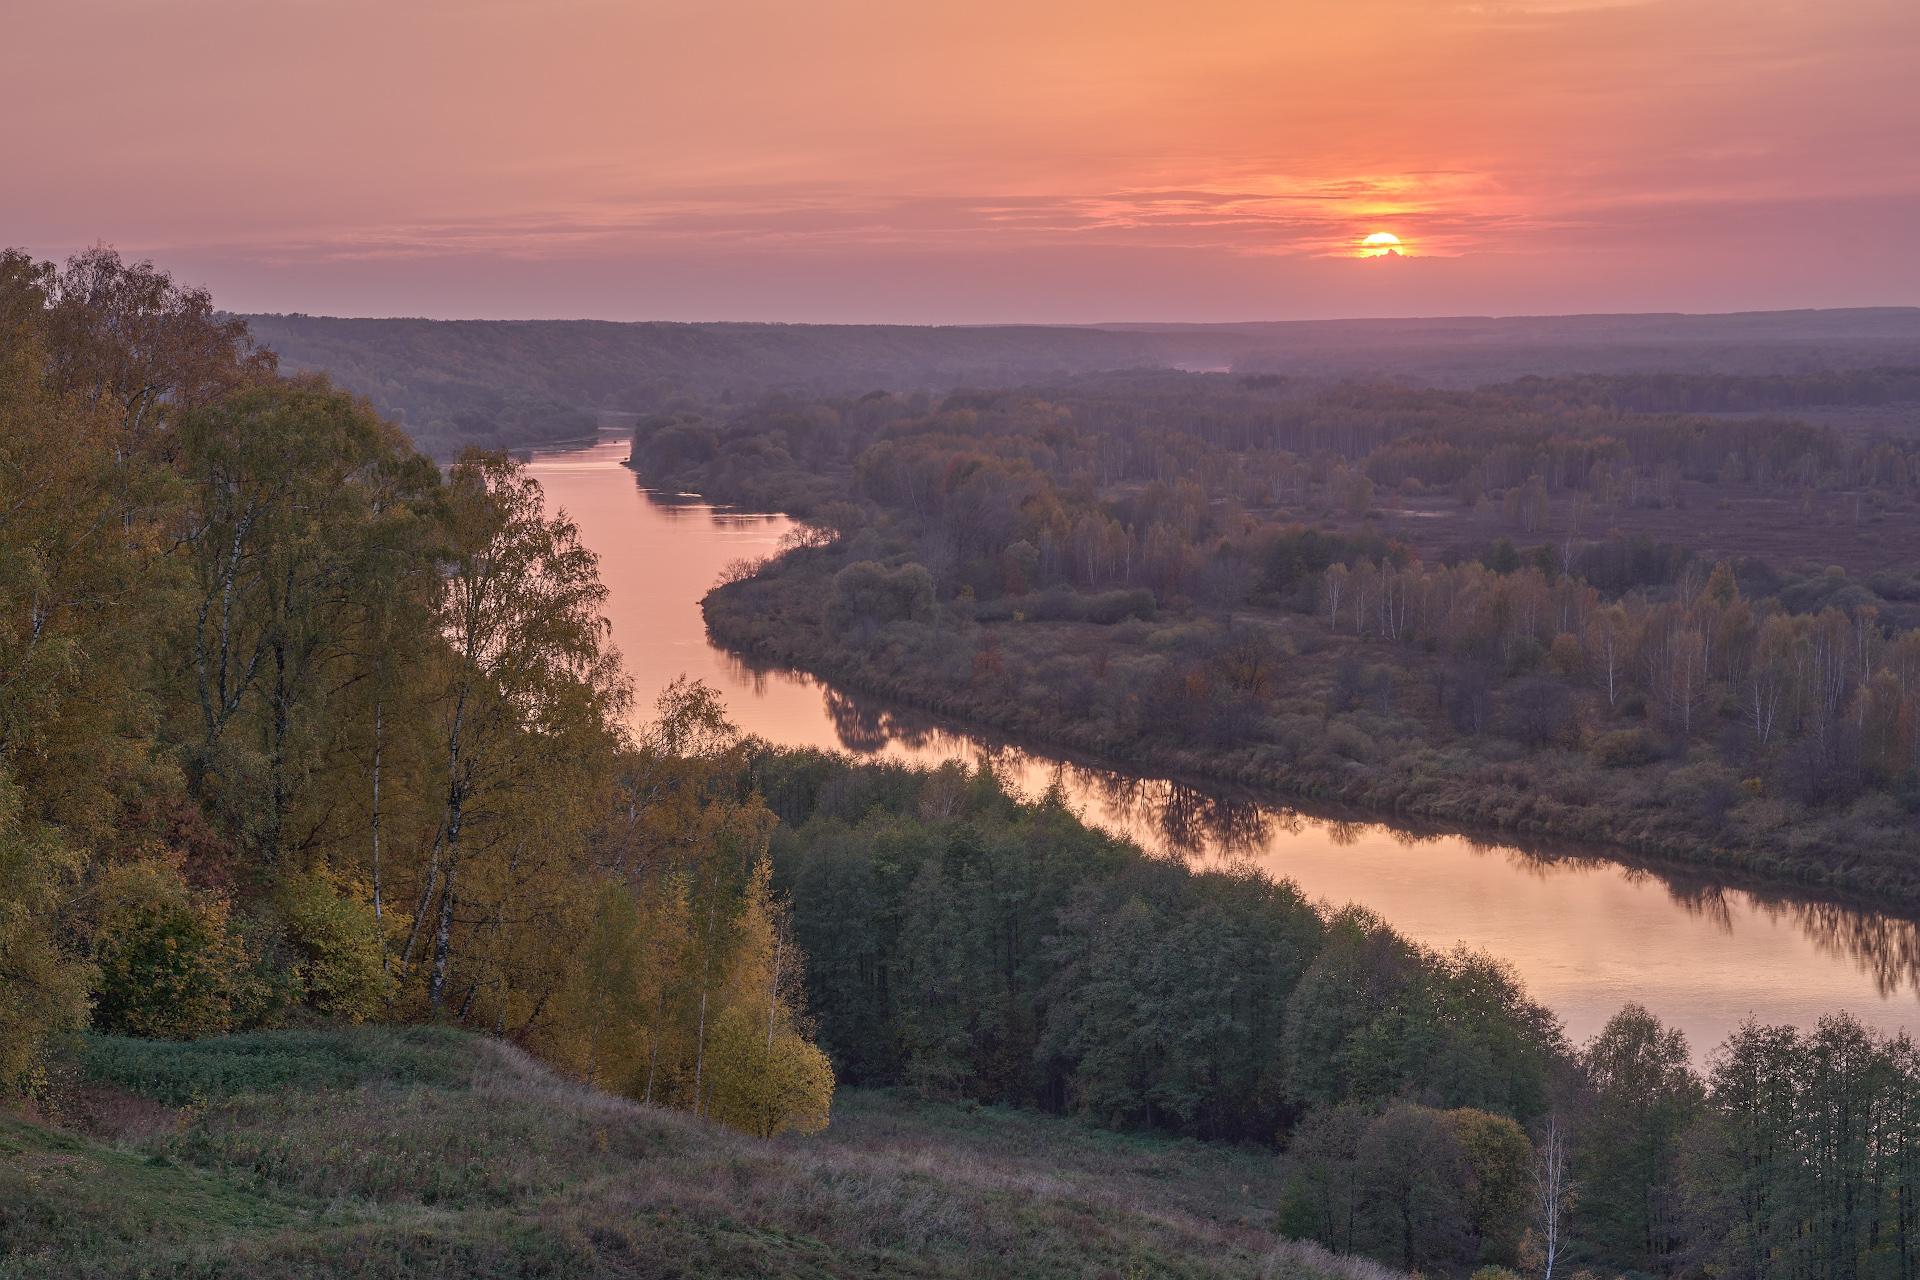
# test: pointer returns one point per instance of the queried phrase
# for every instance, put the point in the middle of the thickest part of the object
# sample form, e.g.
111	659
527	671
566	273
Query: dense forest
512	384
300	732
293	726
1691	635
516	383
1431	1115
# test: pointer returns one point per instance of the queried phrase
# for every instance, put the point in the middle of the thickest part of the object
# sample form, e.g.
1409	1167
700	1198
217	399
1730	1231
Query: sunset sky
974	160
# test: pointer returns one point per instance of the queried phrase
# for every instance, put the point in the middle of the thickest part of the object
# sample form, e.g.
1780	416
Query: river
1586	933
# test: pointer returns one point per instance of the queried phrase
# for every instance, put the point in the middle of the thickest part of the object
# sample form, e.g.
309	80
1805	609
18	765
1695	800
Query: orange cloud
1638	144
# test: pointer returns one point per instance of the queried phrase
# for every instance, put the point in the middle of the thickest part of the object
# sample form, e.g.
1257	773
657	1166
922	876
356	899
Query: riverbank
1079	686
1589	928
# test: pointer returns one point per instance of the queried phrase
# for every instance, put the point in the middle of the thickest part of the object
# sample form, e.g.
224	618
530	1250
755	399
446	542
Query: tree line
971	944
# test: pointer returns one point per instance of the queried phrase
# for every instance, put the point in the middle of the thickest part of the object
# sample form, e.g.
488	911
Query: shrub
1565	656
1624	748
1348	741
261	1061
169	964
339	947
1055	605
867	591
43	989
1537	711
1705	791
1110	607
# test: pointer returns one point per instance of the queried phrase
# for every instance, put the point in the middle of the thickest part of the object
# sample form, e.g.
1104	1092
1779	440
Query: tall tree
530	682
287	532
1645	1096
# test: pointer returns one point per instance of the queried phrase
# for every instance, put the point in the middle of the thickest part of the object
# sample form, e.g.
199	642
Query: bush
170	967
1624	748
767	1084
1110	607
43	988
339	947
867	591
1537	711
1057	604
1705	791
1348	742
177	1073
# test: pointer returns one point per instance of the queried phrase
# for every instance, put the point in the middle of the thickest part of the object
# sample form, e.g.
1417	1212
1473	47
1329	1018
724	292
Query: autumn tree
530	687
283	529
766	1075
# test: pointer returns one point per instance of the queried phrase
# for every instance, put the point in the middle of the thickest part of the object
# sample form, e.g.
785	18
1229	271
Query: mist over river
1587	934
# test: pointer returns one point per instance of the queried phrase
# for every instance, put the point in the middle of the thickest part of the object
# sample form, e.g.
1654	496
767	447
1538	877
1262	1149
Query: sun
1379	245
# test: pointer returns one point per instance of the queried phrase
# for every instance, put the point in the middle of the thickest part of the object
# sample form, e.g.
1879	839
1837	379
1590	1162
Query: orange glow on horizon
1207	160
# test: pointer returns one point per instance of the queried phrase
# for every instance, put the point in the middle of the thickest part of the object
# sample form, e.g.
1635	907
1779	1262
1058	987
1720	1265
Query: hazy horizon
1136	323
1000	162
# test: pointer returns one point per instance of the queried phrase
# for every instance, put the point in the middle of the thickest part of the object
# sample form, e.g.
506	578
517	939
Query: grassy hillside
423	1153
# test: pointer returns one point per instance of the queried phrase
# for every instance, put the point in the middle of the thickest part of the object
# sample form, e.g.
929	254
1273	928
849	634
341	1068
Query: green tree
81	578
1645	1097
287	553
1501	1159
1323	1200
1418	1188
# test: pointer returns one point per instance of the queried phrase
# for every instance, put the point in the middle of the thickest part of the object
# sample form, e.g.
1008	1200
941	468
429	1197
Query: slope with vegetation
426	1153
292	726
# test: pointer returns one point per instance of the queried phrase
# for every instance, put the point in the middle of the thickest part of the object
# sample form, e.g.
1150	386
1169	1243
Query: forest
519	384
293	726
964	942
516	384
345	911
1690	635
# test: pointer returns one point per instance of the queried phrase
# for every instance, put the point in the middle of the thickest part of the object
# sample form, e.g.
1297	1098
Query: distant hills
455	382
523	382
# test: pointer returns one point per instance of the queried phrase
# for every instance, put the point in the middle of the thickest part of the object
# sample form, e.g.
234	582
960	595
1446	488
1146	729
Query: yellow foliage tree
43	989
764	1075
169	965
767	1085
602	1015
340	944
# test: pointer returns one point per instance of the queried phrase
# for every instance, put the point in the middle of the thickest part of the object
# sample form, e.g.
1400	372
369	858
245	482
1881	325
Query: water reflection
1588	931
1198	823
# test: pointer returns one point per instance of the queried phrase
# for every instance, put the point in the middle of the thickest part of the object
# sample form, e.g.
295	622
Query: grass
429	1153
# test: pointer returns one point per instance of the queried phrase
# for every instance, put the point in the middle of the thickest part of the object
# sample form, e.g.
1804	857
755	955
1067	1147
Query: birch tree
531	680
